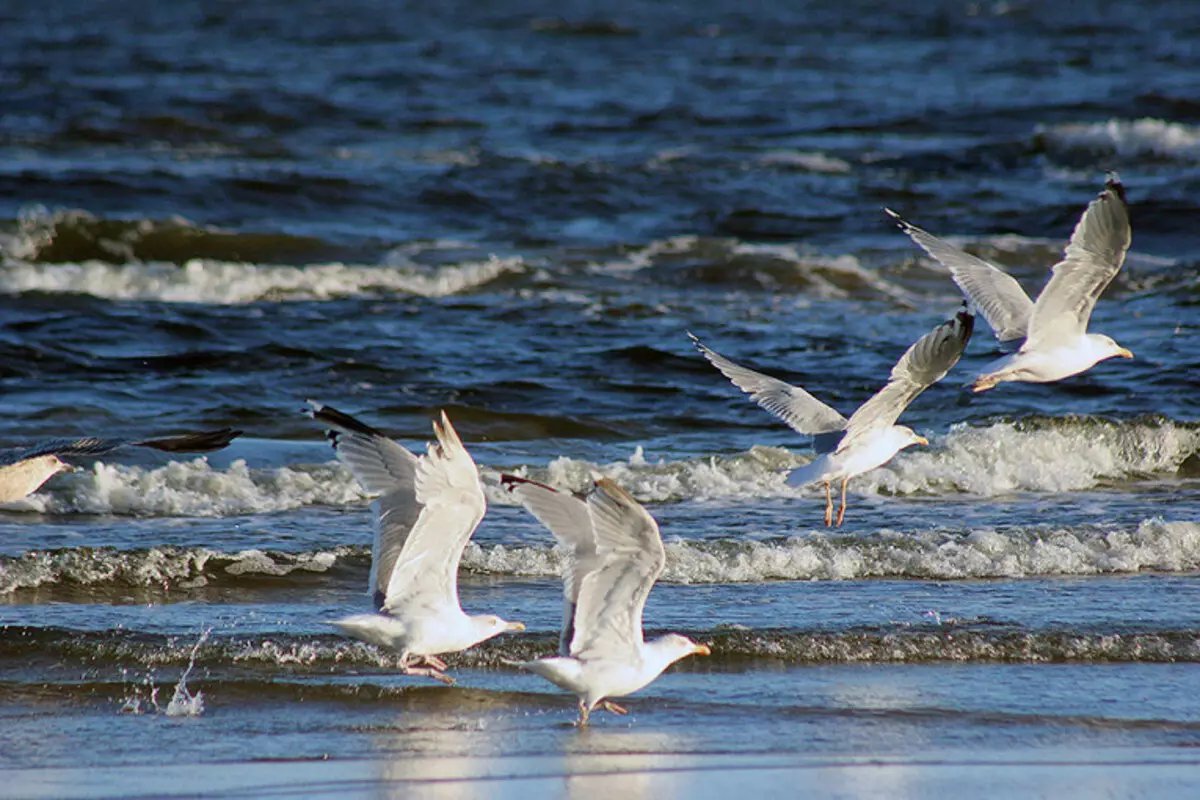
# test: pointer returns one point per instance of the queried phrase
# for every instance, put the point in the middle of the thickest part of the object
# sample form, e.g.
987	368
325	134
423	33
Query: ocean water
212	212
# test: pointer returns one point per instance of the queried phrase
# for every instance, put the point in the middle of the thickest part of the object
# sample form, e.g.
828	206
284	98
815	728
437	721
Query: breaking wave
1140	138
940	554
1036	454
231	283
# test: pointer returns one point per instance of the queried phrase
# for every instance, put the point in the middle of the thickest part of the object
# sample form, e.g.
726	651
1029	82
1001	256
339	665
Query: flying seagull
1054	327
427	509
23	470
870	437
615	556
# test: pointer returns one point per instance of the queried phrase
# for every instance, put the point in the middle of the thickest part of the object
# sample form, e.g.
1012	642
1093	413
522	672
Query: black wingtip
203	442
328	415
1112	183
511	482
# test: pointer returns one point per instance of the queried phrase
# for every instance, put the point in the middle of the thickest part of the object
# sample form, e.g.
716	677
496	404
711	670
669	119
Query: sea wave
940	554
1139	138
956	642
1035	454
233	283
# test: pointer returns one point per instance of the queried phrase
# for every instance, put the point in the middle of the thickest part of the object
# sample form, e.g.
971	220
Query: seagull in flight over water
870	437
1054	327
615	554
427	509
23	470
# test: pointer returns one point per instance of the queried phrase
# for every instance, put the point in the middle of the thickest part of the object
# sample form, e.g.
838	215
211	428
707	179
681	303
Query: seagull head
491	625
1105	347
909	437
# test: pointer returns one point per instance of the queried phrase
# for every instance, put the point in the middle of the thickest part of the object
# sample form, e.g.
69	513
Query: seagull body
1054	327
426	512
24	470
615	556
870	437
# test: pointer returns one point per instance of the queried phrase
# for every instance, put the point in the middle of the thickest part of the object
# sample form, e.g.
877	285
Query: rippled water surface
211	212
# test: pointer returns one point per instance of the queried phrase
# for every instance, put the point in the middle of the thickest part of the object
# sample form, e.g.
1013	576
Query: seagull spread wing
1092	259
921	366
608	618
452	505
384	468
799	409
998	296
202	442
567	517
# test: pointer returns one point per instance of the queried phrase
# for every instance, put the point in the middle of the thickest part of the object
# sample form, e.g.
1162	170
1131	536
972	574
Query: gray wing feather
1092	259
567	517
608	615
799	409
382	467
998	296
922	365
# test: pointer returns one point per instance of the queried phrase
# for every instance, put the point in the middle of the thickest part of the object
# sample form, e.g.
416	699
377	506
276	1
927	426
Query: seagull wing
202	442
799	409
921	366
384	468
1092	259
1000	299
452	505
608	618
567	517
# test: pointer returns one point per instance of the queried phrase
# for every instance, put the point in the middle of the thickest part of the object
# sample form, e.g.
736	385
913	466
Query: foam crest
1018	552
194	489
166	567
1033	455
1145	138
232	283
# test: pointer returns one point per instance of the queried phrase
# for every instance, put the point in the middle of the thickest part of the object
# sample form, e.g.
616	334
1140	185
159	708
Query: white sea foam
1001	458
1154	544
193	489
1147	137
230	283
998	459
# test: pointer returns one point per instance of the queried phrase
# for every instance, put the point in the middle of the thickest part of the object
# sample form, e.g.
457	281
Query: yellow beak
515	627
921	440
702	650
1123	353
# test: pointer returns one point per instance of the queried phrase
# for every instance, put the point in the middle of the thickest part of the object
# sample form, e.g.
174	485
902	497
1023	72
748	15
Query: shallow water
210	214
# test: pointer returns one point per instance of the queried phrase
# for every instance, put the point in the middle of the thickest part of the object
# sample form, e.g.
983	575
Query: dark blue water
210	212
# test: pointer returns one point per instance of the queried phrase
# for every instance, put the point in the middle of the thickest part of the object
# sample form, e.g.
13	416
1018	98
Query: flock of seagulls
428	506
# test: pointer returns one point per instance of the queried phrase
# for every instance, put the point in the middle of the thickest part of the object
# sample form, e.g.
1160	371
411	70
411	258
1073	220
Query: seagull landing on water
615	556
1054	327
24	470
870	438
427	509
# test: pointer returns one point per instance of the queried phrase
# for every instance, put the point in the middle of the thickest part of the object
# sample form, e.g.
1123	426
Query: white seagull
427	509
1054	327
615	556
24	470
870	438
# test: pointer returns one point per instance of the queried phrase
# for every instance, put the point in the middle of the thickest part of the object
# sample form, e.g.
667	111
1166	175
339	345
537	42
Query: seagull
1054	327
427	509
616	554
24	470
870	438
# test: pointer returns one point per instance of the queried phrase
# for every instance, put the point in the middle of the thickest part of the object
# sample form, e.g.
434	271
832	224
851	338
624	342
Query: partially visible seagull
615	556
870	438
24	470
1054	327
427	509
